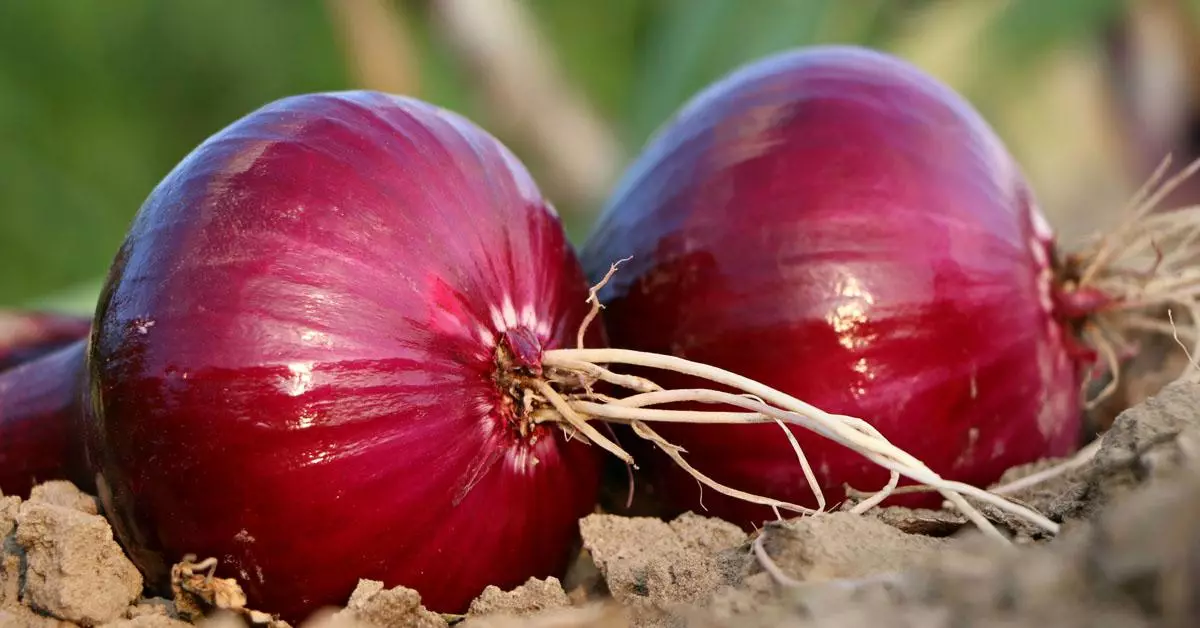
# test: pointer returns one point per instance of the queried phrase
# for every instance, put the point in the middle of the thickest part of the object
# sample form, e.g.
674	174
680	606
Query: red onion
41	363
311	355
836	224
39	402
346	338
28	334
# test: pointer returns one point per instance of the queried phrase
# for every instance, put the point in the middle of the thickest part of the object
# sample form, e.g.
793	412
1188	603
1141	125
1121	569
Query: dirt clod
649	559
65	494
153	606
533	596
198	592
12	557
839	545
932	523
74	568
225	619
653	567
23	617
9	506
1146	442
148	621
10	579
589	616
1143	443
373	606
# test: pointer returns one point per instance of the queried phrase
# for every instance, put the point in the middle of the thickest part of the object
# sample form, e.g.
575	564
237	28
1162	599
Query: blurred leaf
699	41
785	25
107	98
78	299
684	30
1028	29
598	49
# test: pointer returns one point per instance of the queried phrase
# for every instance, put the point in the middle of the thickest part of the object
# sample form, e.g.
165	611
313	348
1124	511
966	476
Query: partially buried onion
39	404
310	361
837	224
41	363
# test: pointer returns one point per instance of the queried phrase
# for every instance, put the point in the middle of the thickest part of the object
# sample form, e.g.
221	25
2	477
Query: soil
1128	555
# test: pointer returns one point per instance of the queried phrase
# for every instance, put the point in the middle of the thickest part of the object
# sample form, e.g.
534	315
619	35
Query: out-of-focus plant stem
526	96
378	49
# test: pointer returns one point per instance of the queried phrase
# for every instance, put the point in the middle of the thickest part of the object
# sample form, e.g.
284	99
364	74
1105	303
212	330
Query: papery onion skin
293	362
837	224
28	334
40	402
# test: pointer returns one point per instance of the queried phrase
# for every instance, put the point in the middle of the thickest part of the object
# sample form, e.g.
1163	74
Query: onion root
576	370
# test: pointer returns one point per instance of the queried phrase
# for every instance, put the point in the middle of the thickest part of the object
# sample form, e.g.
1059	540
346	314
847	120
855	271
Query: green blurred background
98	100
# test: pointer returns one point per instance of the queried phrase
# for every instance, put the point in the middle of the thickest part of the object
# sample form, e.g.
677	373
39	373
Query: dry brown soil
1128	555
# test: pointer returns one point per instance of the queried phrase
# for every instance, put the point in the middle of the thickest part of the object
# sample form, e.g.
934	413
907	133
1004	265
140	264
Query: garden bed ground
1128	555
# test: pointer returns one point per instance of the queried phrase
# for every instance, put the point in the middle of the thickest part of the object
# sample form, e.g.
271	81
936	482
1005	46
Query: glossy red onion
41	365
834	223
28	334
39	406
303	356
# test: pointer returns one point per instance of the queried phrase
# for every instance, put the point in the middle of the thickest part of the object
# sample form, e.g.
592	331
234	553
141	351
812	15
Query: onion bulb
836	224
309	355
41	365
39	406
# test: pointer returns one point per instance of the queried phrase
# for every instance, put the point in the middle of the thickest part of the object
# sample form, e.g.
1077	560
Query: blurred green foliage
98	100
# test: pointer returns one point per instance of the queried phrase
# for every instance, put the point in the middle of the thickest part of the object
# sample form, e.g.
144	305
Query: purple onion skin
41	366
40	403
294	359
835	223
29	334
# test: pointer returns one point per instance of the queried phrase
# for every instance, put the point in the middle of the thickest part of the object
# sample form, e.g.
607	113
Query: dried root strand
1188	353
822	585
617	411
1148	263
1098	339
197	592
1140	230
569	368
809	476
877	498
595	301
848	431
675	453
1081	458
769	565
579	423
1105	247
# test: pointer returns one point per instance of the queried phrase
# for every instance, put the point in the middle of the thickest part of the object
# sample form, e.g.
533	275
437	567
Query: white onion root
847	431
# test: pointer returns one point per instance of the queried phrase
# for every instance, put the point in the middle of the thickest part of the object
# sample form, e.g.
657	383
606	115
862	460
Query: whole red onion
836	224
309	353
